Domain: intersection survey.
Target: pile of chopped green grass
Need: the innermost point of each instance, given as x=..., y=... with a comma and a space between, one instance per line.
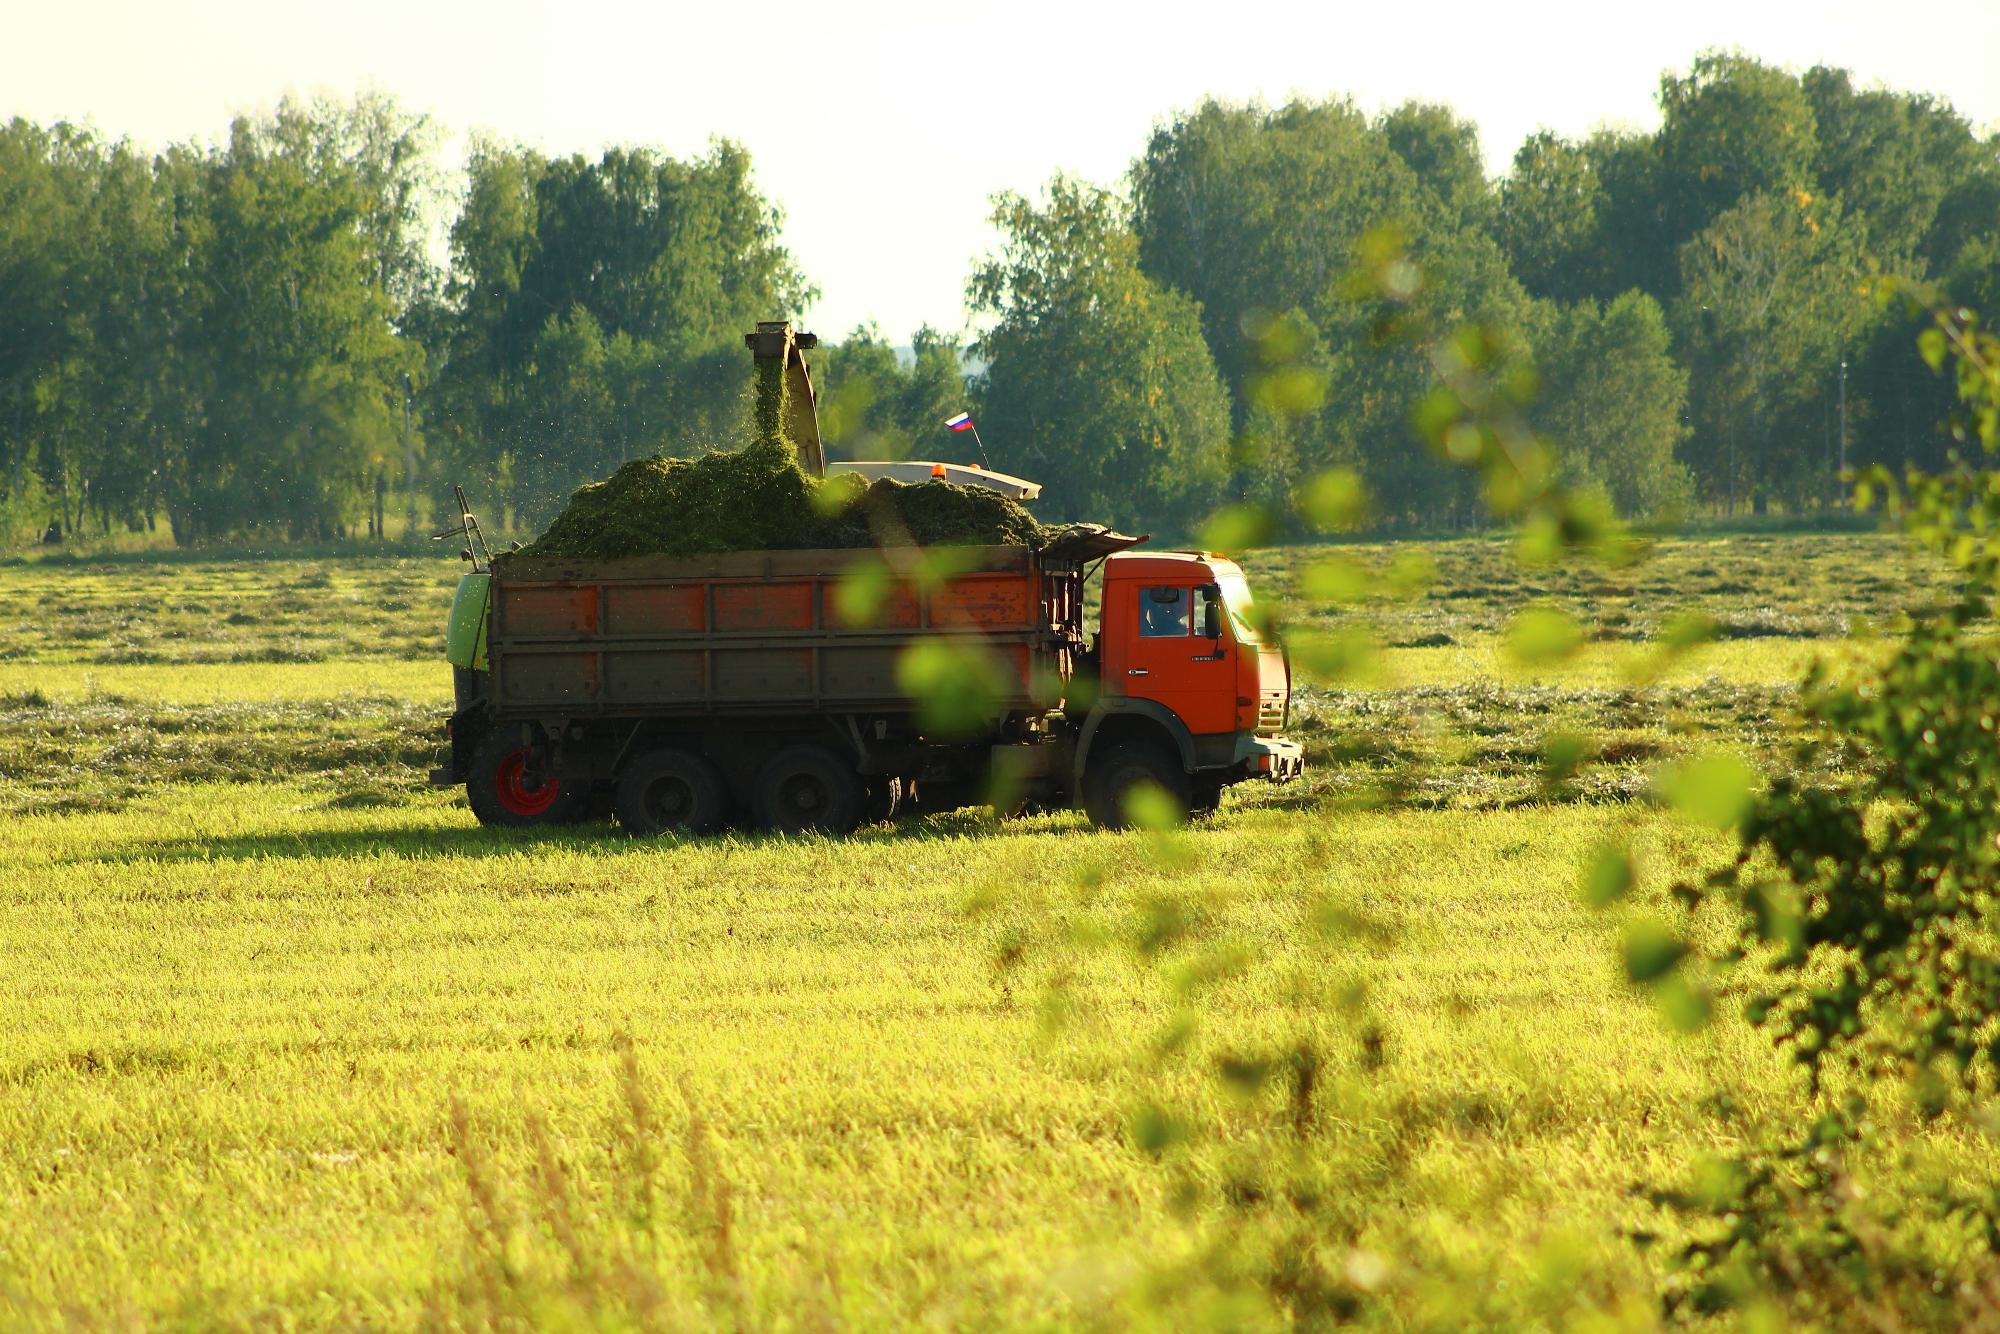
x=933, y=514
x=757, y=498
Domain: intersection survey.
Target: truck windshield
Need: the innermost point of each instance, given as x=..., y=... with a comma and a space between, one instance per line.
x=1236, y=597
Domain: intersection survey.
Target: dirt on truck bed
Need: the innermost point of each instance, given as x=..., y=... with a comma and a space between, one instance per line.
x=758, y=498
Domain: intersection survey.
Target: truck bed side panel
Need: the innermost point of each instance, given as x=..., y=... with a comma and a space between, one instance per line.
x=762, y=633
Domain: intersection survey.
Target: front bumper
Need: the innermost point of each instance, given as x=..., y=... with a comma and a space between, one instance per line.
x=1277, y=758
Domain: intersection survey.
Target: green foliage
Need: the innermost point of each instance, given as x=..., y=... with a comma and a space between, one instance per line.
x=1547, y=218
x=1634, y=242
x=1773, y=289
x=249, y=338
x=598, y=310
x=1863, y=917
x=1893, y=159
x=1608, y=878
x=1901, y=401
x=1821, y=1227
x=292, y=340
x=874, y=407
x=1766, y=297
x=212, y=334
x=1613, y=400
x=1715, y=790
x=1651, y=951
x=1261, y=215
x=1098, y=383
x=1442, y=152
x=1732, y=127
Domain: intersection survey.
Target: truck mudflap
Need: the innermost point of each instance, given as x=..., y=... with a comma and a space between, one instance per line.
x=461, y=732
x=1277, y=758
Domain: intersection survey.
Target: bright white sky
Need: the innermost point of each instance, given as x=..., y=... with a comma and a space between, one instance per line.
x=881, y=126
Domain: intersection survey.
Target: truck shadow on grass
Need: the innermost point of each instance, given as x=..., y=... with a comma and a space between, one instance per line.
x=1333, y=798
x=477, y=842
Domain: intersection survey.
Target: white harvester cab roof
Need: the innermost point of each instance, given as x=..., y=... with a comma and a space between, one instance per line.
x=959, y=474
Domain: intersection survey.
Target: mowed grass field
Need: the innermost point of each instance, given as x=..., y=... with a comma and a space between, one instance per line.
x=286, y=1039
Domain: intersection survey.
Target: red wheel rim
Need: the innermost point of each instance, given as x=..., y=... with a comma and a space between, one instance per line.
x=516, y=792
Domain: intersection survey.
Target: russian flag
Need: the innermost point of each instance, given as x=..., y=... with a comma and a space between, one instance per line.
x=962, y=422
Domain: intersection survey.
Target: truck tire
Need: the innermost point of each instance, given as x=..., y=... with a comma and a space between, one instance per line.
x=809, y=787
x=670, y=791
x=1124, y=769
x=885, y=798
x=1207, y=798
x=504, y=788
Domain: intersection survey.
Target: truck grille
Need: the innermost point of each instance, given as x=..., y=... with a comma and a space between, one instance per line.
x=1271, y=714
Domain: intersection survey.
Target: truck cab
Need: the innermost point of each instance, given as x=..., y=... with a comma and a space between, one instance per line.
x=1191, y=696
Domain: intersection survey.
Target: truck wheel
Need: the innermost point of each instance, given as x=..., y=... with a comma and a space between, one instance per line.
x=1207, y=798
x=1126, y=768
x=670, y=792
x=885, y=798
x=507, y=788
x=809, y=787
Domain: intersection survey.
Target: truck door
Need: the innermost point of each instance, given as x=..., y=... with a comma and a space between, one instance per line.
x=1170, y=657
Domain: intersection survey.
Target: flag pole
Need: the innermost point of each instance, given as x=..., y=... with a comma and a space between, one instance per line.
x=963, y=422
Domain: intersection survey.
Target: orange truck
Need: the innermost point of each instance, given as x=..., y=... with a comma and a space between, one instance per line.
x=686, y=693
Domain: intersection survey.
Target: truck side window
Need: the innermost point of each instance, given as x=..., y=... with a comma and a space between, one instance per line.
x=1163, y=612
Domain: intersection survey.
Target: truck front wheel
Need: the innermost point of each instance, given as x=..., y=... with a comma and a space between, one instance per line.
x=809, y=787
x=509, y=787
x=670, y=792
x=1126, y=769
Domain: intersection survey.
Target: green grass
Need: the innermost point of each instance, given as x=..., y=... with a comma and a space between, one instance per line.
x=1790, y=587
x=117, y=613
x=1762, y=590
x=285, y=1038
x=238, y=1022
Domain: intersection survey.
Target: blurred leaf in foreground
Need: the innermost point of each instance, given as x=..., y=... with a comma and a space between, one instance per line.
x=1563, y=753
x=958, y=686
x=1609, y=877
x=1337, y=580
x=1335, y=656
x=1411, y=574
x=1714, y=790
x=1237, y=527
x=1651, y=951
x=863, y=588
x=1685, y=1006
x=1542, y=635
x=1336, y=501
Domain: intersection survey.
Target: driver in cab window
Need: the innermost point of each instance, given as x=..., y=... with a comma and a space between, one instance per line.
x=1163, y=613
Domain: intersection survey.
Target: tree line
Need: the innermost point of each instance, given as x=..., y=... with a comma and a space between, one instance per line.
x=1698, y=303
x=252, y=338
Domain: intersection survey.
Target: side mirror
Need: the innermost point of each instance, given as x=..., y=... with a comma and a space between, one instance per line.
x=1211, y=611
